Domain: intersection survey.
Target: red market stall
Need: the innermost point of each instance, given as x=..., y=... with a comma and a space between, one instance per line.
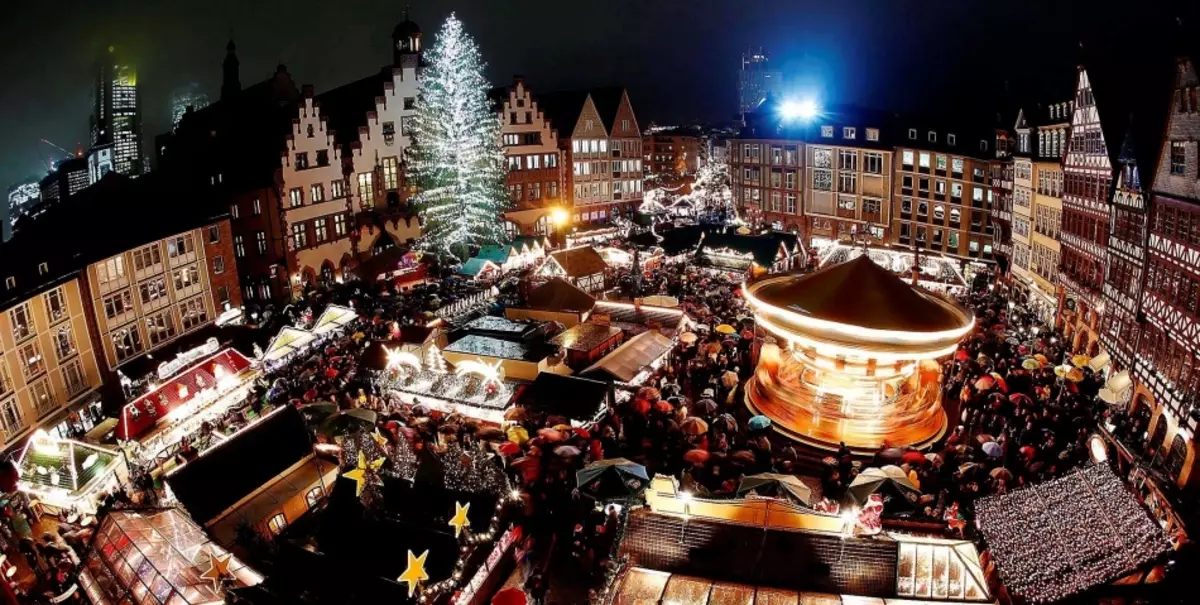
x=184, y=394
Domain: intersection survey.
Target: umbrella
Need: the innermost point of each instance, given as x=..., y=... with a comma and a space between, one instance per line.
x=315, y=412
x=1020, y=399
x=517, y=434
x=961, y=355
x=1027, y=451
x=786, y=487
x=913, y=457
x=1061, y=371
x=725, y=423
x=566, y=451
x=983, y=360
x=347, y=422
x=1041, y=358
x=874, y=480
x=515, y=413
x=615, y=478
x=510, y=596
x=696, y=456
x=663, y=407
x=725, y=329
x=641, y=406
x=729, y=379
x=705, y=407
x=894, y=472
x=688, y=338
x=1080, y=361
x=985, y=438
x=648, y=393
x=1031, y=364
x=759, y=423
x=508, y=448
x=694, y=426
x=984, y=383
x=1000, y=382
x=993, y=449
x=892, y=453
x=1002, y=473
x=743, y=456
x=1074, y=375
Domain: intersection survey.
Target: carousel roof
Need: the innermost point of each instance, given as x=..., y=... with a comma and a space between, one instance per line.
x=861, y=293
x=65, y=464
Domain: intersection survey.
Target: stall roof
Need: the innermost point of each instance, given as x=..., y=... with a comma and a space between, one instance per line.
x=624, y=364
x=68, y=464
x=476, y=266
x=334, y=318
x=585, y=336
x=272, y=496
x=142, y=413
x=487, y=346
x=288, y=341
x=558, y=294
x=639, y=319
x=224, y=474
x=159, y=549
x=576, y=398
x=579, y=262
x=763, y=248
x=861, y=293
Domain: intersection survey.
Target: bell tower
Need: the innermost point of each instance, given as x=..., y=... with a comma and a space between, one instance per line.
x=406, y=41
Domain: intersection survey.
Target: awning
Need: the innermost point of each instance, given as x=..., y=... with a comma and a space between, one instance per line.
x=288, y=341
x=334, y=318
x=207, y=378
x=1119, y=382
x=1098, y=362
x=629, y=359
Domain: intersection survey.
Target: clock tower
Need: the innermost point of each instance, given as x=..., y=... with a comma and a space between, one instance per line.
x=406, y=41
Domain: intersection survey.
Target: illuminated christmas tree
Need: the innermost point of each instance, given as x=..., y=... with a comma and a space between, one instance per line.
x=434, y=362
x=456, y=160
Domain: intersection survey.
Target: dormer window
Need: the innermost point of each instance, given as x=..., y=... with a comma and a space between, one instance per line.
x=932, y=136
x=950, y=139
x=827, y=131
x=849, y=132
x=310, y=131
x=10, y=282
x=912, y=134
x=43, y=268
x=983, y=145
x=872, y=134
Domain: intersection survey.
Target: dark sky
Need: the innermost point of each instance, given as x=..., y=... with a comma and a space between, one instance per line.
x=678, y=57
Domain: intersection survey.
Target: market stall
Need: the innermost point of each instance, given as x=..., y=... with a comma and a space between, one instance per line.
x=188, y=397
x=67, y=475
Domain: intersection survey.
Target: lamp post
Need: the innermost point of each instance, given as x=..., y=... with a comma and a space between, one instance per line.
x=560, y=217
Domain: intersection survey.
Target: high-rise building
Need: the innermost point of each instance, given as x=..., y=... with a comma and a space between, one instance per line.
x=184, y=97
x=116, y=127
x=21, y=197
x=67, y=179
x=756, y=81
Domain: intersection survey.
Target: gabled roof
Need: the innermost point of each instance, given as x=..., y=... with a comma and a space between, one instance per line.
x=629, y=359
x=579, y=262
x=576, y=398
x=476, y=266
x=495, y=253
x=1131, y=80
x=608, y=101
x=764, y=248
x=560, y=295
x=562, y=108
x=861, y=293
x=345, y=108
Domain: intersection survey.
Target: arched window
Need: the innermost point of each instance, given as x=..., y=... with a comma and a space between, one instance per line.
x=1160, y=434
x=277, y=524
x=1177, y=457
x=511, y=230
x=314, y=496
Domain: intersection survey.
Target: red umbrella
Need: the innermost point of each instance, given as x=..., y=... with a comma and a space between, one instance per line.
x=641, y=406
x=510, y=596
x=331, y=373
x=961, y=355
x=664, y=407
x=913, y=457
x=985, y=383
x=582, y=432
x=696, y=456
x=508, y=448
x=551, y=435
x=1028, y=451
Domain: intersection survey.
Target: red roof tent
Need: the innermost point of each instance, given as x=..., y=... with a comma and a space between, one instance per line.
x=161, y=401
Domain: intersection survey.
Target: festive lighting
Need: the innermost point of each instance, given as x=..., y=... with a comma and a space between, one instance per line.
x=397, y=358
x=490, y=373
x=414, y=572
x=459, y=521
x=559, y=216
x=804, y=110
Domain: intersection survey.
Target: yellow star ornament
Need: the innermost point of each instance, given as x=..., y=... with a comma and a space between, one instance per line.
x=415, y=572
x=380, y=440
x=218, y=567
x=359, y=474
x=460, y=518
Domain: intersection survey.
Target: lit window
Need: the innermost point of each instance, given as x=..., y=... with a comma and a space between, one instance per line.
x=849, y=132
x=827, y=131
x=872, y=134
x=366, y=187
x=277, y=524
x=296, y=196
x=314, y=496
x=908, y=157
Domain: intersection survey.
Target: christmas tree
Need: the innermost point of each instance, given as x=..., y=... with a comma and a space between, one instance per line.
x=456, y=160
x=434, y=362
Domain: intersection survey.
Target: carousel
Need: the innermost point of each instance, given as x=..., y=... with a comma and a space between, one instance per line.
x=855, y=357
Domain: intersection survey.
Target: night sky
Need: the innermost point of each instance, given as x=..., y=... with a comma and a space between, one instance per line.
x=677, y=57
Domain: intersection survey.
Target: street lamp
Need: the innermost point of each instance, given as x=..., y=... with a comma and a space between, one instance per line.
x=560, y=217
x=804, y=110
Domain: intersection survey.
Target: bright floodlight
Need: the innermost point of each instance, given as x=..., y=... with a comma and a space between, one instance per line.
x=804, y=110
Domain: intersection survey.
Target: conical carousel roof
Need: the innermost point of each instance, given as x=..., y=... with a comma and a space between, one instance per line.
x=861, y=293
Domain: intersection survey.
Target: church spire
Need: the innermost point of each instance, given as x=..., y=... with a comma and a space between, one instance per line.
x=231, y=82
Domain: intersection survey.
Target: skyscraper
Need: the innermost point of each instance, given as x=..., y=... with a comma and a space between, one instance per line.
x=116, y=125
x=183, y=97
x=756, y=81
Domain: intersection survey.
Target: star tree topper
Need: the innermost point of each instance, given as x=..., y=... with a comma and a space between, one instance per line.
x=460, y=518
x=414, y=573
x=218, y=567
x=359, y=474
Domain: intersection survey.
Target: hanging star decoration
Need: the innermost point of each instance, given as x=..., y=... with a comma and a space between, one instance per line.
x=380, y=440
x=360, y=473
x=218, y=567
x=414, y=573
x=460, y=518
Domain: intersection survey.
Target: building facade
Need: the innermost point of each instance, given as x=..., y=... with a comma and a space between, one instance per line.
x=1046, y=211
x=767, y=180
x=849, y=169
x=116, y=124
x=1001, y=174
x=942, y=193
x=672, y=155
x=1083, y=239
x=68, y=178
x=187, y=97
x=535, y=160
x=756, y=81
x=1022, y=203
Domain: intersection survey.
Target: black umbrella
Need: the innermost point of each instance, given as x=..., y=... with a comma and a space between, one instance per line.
x=613, y=479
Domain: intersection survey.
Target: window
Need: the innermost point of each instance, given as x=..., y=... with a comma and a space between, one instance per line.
x=186, y=277
x=950, y=139
x=939, y=187
x=940, y=163
x=257, y=206
x=277, y=524
x=296, y=196
x=847, y=182
x=952, y=241
x=846, y=203
x=320, y=229
x=323, y=157
x=932, y=136
x=302, y=159
x=317, y=192
x=10, y=416
x=410, y=103
x=299, y=236
x=906, y=206
x=939, y=212
x=912, y=134
x=30, y=356
x=214, y=234
x=366, y=187
x=56, y=305
x=924, y=160
x=907, y=158
x=193, y=313
x=512, y=139
x=391, y=171
x=239, y=246
x=146, y=257
x=118, y=304
x=152, y=289
x=827, y=131
x=789, y=179
x=43, y=398
x=955, y=216
x=339, y=225
x=906, y=181
x=977, y=194
x=624, y=124
x=260, y=242
x=218, y=265
x=22, y=322
x=823, y=180
x=180, y=245
x=73, y=378
x=847, y=160
x=923, y=185
x=956, y=166
x=314, y=496
x=790, y=200
x=160, y=327
x=871, y=206
x=64, y=343
x=923, y=209
x=337, y=189
x=872, y=134
x=1178, y=157
x=848, y=132
x=112, y=269
x=822, y=158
